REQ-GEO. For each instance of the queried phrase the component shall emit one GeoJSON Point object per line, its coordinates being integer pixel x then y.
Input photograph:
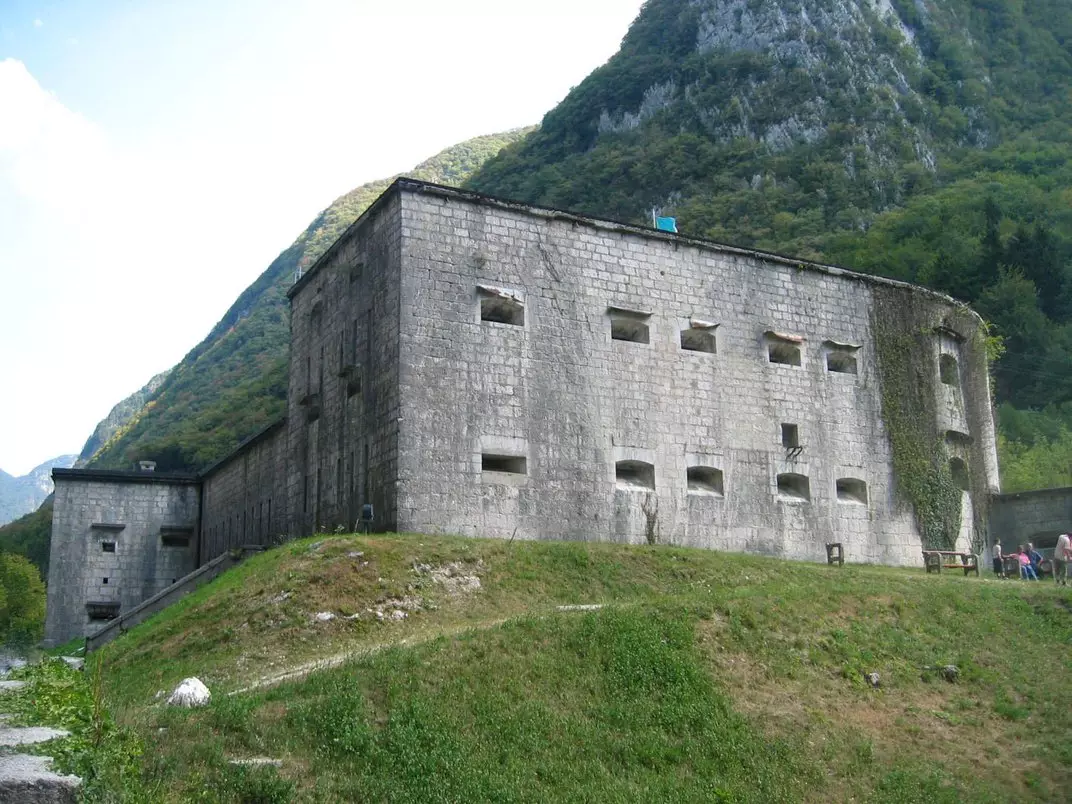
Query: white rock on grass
{"type": "Point", "coordinates": [74, 662]}
{"type": "Point", "coordinates": [189, 694]}
{"type": "Point", "coordinates": [325, 617]}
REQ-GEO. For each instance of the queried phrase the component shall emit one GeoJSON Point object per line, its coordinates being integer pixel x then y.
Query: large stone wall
{"type": "Point", "coordinates": [571, 401]}
{"type": "Point", "coordinates": [118, 538]}
{"type": "Point", "coordinates": [1038, 517]}
{"type": "Point", "coordinates": [244, 496]}
{"type": "Point", "coordinates": [343, 396]}
{"type": "Point", "coordinates": [541, 424]}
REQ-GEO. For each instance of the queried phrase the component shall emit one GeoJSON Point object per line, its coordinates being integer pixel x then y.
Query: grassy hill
{"type": "Point", "coordinates": [703, 677]}
{"type": "Point", "coordinates": [234, 382]}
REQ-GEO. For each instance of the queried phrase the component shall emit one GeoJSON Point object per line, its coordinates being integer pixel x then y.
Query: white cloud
{"type": "Point", "coordinates": [38, 24]}
{"type": "Point", "coordinates": [48, 152]}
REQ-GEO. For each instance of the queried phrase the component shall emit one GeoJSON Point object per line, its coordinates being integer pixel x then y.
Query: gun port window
{"type": "Point", "coordinates": [699, 336]}
{"type": "Point", "coordinates": [634, 476]}
{"type": "Point", "coordinates": [629, 325]}
{"type": "Point", "coordinates": [841, 362]}
{"type": "Point", "coordinates": [501, 307]}
{"type": "Point", "coordinates": [959, 470]}
{"type": "Point", "coordinates": [102, 611]}
{"type": "Point", "coordinates": [790, 436]}
{"type": "Point", "coordinates": [507, 464]}
{"type": "Point", "coordinates": [704, 480]}
{"type": "Point", "coordinates": [792, 486]}
{"type": "Point", "coordinates": [851, 490]}
{"type": "Point", "coordinates": [947, 369]}
{"type": "Point", "coordinates": [108, 547]}
{"type": "Point", "coordinates": [784, 349]}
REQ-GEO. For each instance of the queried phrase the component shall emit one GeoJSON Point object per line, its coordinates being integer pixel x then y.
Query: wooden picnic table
{"type": "Point", "coordinates": [937, 560]}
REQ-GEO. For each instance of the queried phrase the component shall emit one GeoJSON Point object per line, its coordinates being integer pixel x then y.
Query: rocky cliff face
{"type": "Point", "coordinates": [119, 417]}
{"type": "Point", "coordinates": [21, 495]}
{"type": "Point", "coordinates": [828, 113]}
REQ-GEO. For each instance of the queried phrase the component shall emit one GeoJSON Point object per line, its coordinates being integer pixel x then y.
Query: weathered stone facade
{"type": "Point", "coordinates": [1036, 517]}
{"type": "Point", "coordinates": [470, 365]}
{"type": "Point", "coordinates": [118, 538]}
{"type": "Point", "coordinates": [244, 496]}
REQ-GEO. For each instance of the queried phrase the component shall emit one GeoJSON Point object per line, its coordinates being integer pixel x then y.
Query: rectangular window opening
{"type": "Point", "coordinates": [792, 486]}
{"type": "Point", "coordinates": [959, 469]}
{"type": "Point", "coordinates": [629, 325]}
{"type": "Point", "coordinates": [108, 547]}
{"type": "Point", "coordinates": [102, 610]}
{"type": "Point", "coordinates": [705, 480]}
{"type": "Point", "coordinates": [851, 490]}
{"type": "Point", "coordinates": [841, 362]}
{"type": "Point", "coordinates": [783, 352]}
{"type": "Point", "coordinates": [948, 370]}
{"type": "Point", "coordinates": [500, 307]}
{"type": "Point", "coordinates": [699, 340]}
{"type": "Point", "coordinates": [955, 438]}
{"type": "Point", "coordinates": [174, 540]}
{"type": "Point", "coordinates": [105, 580]}
{"type": "Point", "coordinates": [790, 436]}
{"type": "Point", "coordinates": [507, 464]}
{"type": "Point", "coordinates": [634, 475]}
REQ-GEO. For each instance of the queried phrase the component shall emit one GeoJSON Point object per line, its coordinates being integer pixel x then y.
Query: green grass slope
{"type": "Point", "coordinates": [704, 677]}
{"type": "Point", "coordinates": [234, 382]}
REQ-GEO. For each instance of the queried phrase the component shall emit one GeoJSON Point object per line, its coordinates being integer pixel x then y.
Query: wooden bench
{"type": "Point", "coordinates": [937, 560]}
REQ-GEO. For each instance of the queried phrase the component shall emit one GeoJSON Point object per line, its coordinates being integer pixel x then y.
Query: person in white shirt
{"type": "Point", "coordinates": [1062, 554]}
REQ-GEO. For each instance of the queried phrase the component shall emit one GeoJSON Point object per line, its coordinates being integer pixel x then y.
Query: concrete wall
{"type": "Point", "coordinates": [244, 496]}
{"type": "Point", "coordinates": [1030, 516]}
{"type": "Point", "coordinates": [343, 401]}
{"type": "Point", "coordinates": [562, 394]}
{"type": "Point", "coordinates": [133, 511]}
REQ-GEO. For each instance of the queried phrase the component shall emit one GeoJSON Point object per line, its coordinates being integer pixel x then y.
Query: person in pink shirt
{"type": "Point", "coordinates": [1027, 571]}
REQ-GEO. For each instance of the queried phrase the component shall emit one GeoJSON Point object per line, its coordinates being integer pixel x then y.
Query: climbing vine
{"type": "Point", "coordinates": [904, 329]}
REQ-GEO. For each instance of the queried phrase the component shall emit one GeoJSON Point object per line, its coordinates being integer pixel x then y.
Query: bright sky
{"type": "Point", "coordinates": [156, 156]}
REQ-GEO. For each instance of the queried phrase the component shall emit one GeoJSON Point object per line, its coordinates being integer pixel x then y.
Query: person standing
{"type": "Point", "coordinates": [1061, 555]}
{"type": "Point", "coordinates": [999, 563]}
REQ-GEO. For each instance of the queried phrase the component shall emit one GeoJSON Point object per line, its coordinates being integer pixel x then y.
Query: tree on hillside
{"type": "Point", "coordinates": [22, 600]}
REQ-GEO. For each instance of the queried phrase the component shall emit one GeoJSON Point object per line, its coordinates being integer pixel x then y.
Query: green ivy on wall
{"type": "Point", "coordinates": [903, 325]}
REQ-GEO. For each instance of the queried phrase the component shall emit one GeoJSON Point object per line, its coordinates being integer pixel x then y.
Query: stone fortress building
{"type": "Point", "coordinates": [471, 365]}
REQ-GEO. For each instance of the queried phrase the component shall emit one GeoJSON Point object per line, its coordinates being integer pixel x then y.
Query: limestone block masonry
{"type": "Point", "coordinates": [464, 364]}
{"type": "Point", "coordinates": [118, 538]}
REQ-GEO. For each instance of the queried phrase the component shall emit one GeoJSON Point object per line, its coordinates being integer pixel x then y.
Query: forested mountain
{"type": "Point", "coordinates": [234, 382]}
{"type": "Point", "coordinates": [119, 417]}
{"type": "Point", "coordinates": [927, 140]}
{"type": "Point", "coordinates": [21, 495]}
